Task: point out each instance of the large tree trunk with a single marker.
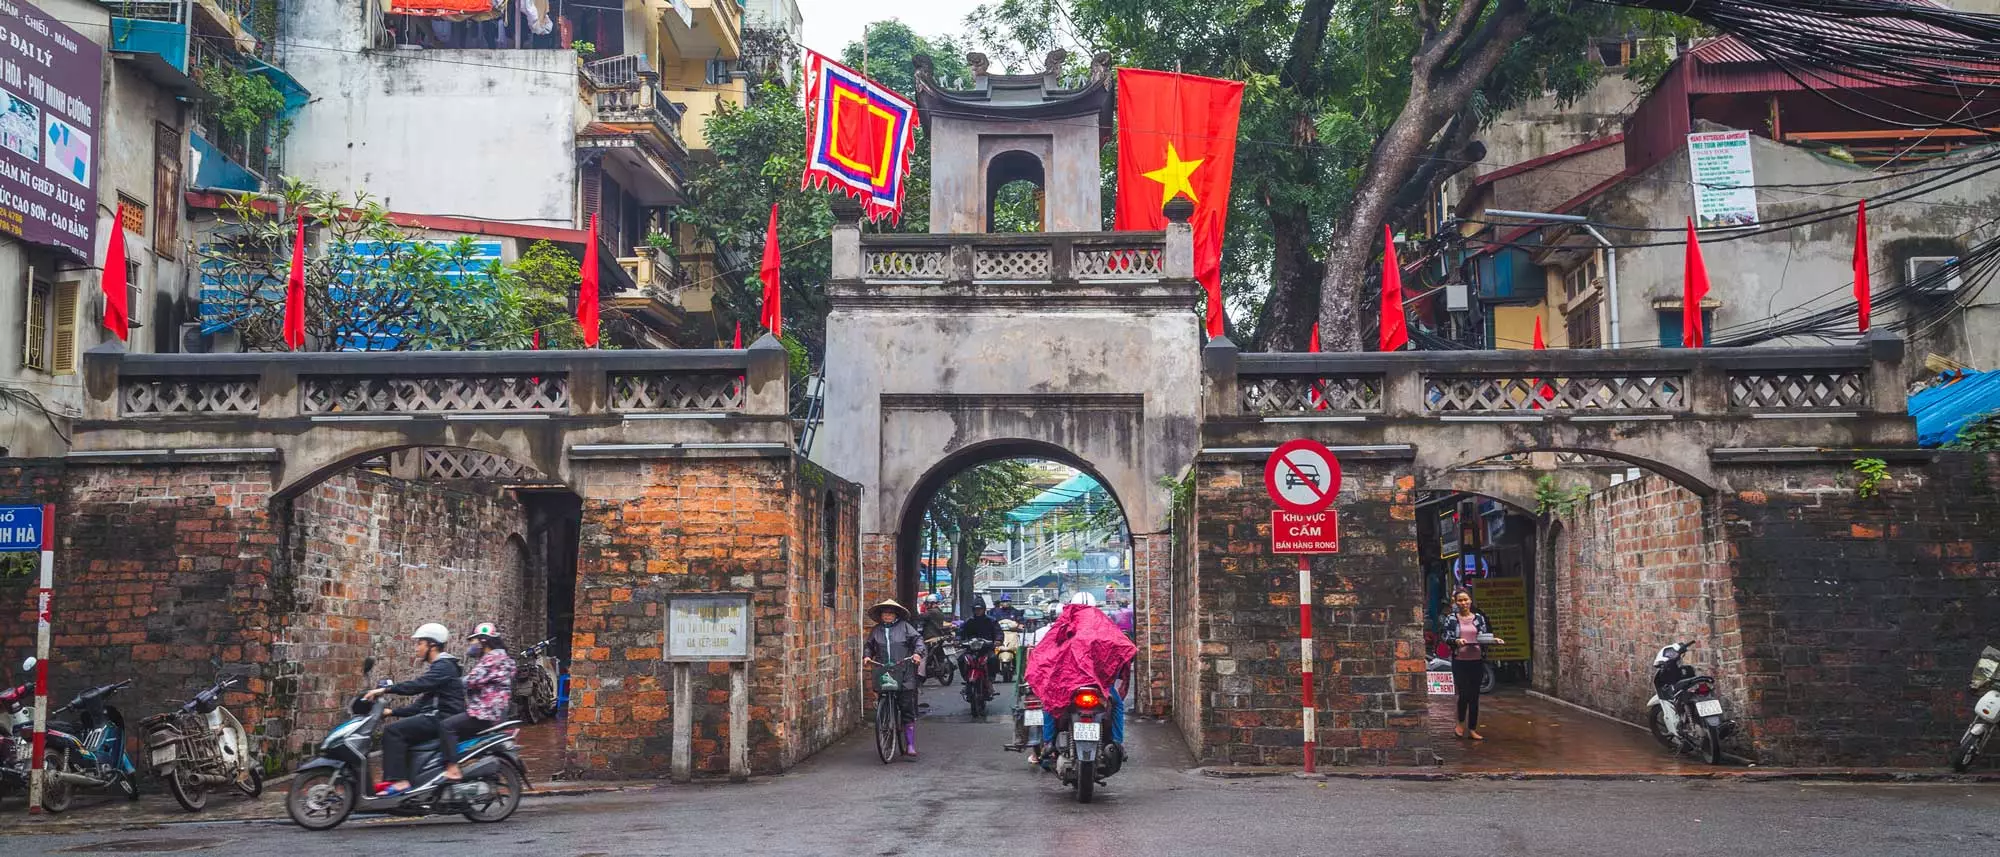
(1447, 68)
(1292, 305)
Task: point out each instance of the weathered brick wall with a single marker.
(659, 527)
(23, 482)
(1862, 616)
(1634, 572)
(823, 617)
(371, 557)
(1368, 625)
(1185, 611)
(878, 568)
(1152, 600)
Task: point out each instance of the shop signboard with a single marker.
(1440, 683)
(1504, 600)
(51, 83)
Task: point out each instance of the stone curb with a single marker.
(82, 820)
(1844, 775)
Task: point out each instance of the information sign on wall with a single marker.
(1504, 600)
(708, 628)
(1725, 184)
(51, 81)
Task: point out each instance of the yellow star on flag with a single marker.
(1173, 177)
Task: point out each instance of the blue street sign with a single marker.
(20, 528)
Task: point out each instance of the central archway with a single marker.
(910, 521)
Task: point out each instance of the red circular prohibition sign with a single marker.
(1302, 467)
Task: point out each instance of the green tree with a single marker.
(373, 285)
(891, 54)
(971, 513)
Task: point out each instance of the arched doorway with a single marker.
(1016, 193)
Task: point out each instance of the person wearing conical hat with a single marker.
(896, 644)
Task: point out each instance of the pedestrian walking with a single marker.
(1468, 633)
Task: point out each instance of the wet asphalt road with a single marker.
(967, 798)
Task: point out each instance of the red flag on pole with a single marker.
(295, 291)
(1395, 331)
(587, 296)
(1693, 290)
(1543, 391)
(117, 314)
(1861, 291)
(737, 341)
(1312, 346)
(1539, 342)
(1177, 137)
(772, 317)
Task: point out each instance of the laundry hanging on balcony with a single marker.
(456, 10)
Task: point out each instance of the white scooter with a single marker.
(1985, 713)
(1684, 713)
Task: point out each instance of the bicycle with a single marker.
(888, 715)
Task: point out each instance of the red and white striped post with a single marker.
(43, 595)
(1306, 658)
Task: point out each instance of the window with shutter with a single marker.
(1583, 324)
(35, 326)
(62, 341)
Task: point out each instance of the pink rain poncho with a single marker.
(1082, 647)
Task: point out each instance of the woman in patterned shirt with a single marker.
(489, 687)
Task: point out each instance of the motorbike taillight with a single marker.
(1088, 699)
(1701, 688)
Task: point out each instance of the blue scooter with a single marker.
(89, 755)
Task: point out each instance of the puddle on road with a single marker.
(145, 846)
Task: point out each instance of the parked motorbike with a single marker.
(1985, 712)
(89, 754)
(200, 745)
(1027, 722)
(940, 661)
(1684, 713)
(1083, 755)
(1008, 658)
(339, 781)
(977, 659)
(535, 682)
(17, 723)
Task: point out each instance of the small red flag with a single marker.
(295, 291)
(1539, 342)
(1692, 291)
(587, 296)
(117, 312)
(1395, 331)
(1543, 392)
(1861, 291)
(772, 317)
(737, 341)
(1312, 346)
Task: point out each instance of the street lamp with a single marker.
(1610, 257)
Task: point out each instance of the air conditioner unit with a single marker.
(1932, 274)
(193, 341)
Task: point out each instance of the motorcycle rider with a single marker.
(983, 627)
(935, 625)
(1006, 610)
(440, 694)
(1082, 646)
(891, 642)
(489, 687)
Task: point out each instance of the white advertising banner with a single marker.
(1725, 184)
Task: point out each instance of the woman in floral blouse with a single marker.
(489, 688)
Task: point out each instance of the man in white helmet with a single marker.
(440, 694)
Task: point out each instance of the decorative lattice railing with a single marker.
(1073, 257)
(177, 396)
(445, 394)
(1488, 394)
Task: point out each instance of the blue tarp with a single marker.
(1942, 410)
(1074, 491)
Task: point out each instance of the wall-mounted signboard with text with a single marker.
(51, 81)
(708, 628)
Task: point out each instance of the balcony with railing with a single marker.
(626, 118)
(153, 36)
(655, 295)
(235, 20)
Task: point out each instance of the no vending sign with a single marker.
(1303, 478)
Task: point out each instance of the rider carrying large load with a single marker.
(1083, 647)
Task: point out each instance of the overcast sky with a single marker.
(832, 24)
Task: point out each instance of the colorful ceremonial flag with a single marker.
(295, 291)
(117, 314)
(1862, 297)
(771, 317)
(1395, 329)
(1177, 137)
(858, 136)
(587, 295)
(1693, 289)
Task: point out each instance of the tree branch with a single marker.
(1307, 41)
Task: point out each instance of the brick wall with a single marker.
(23, 482)
(1633, 573)
(371, 557)
(1368, 618)
(1184, 617)
(659, 527)
(1862, 616)
(1152, 601)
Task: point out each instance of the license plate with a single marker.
(1707, 707)
(1031, 717)
(1086, 731)
(165, 754)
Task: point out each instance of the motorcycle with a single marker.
(16, 731)
(1010, 650)
(1027, 723)
(1683, 713)
(1083, 756)
(535, 683)
(90, 754)
(330, 787)
(940, 661)
(200, 745)
(978, 657)
(1985, 712)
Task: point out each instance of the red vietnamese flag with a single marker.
(295, 291)
(1861, 291)
(1312, 346)
(1395, 329)
(117, 314)
(1693, 289)
(587, 296)
(1177, 137)
(772, 317)
(1543, 392)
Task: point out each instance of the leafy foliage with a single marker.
(1872, 472)
(242, 101)
(971, 512)
(1982, 434)
(1555, 500)
(377, 286)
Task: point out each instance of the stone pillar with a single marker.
(846, 264)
